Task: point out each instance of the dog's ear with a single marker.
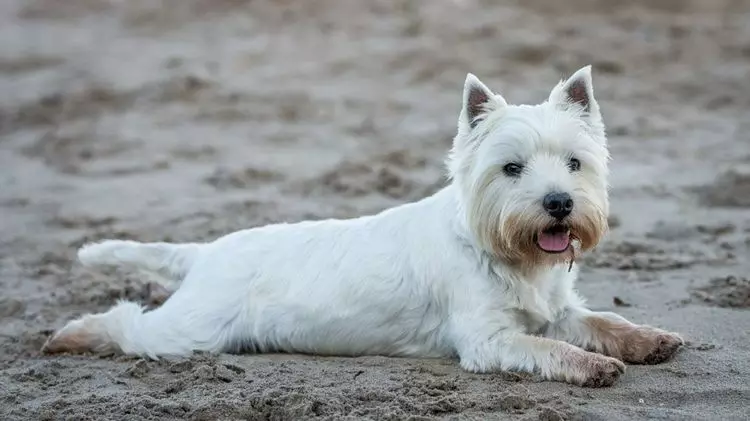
(578, 90)
(478, 100)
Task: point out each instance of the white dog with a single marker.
(483, 270)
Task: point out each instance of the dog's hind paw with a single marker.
(76, 337)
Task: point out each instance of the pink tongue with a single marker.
(554, 242)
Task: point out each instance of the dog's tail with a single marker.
(164, 263)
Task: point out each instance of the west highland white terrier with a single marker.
(482, 271)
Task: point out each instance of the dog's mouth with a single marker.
(555, 239)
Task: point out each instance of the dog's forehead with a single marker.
(526, 129)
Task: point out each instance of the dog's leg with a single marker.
(555, 360)
(185, 323)
(611, 334)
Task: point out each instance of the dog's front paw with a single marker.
(601, 371)
(648, 345)
(588, 369)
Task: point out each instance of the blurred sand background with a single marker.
(183, 120)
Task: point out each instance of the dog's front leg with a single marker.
(611, 334)
(554, 360)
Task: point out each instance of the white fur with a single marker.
(416, 280)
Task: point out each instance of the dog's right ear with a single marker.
(478, 101)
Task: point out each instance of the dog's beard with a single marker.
(528, 237)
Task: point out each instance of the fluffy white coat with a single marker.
(453, 275)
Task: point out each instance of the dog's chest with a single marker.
(541, 300)
(533, 322)
(534, 316)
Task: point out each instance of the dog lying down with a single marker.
(482, 271)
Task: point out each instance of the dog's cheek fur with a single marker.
(589, 218)
(588, 225)
(502, 224)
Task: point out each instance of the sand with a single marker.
(124, 119)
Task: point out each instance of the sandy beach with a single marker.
(182, 120)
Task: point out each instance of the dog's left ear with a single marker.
(578, 90)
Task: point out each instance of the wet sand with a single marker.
(123, 119)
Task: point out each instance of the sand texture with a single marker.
(182, 120)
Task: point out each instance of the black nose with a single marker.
(558, 205)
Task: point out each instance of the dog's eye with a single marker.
(574, 164)
(513, 169)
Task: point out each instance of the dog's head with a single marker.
(532, 178)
